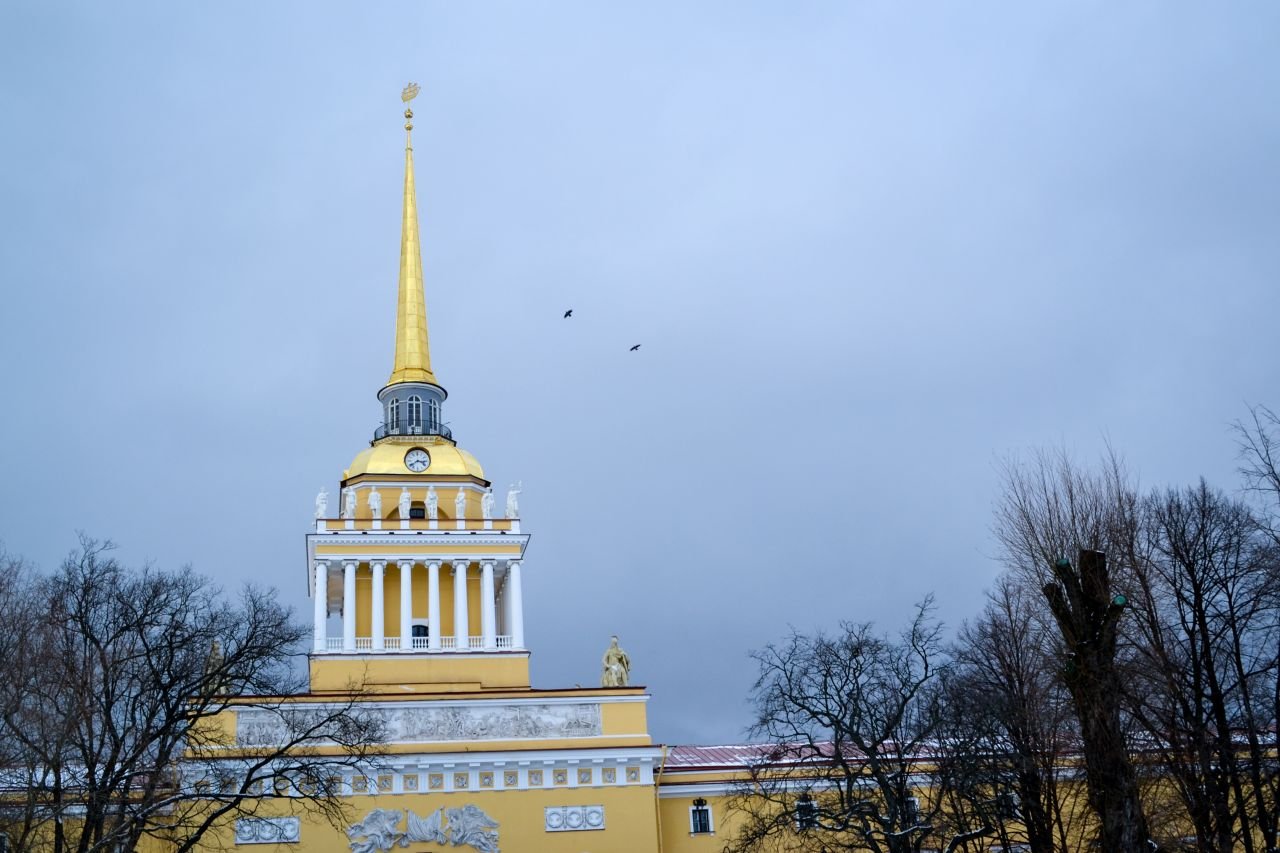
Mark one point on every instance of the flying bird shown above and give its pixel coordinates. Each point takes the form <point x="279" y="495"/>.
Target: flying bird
<point x="634" y="348"/>
<point x="568" y="314"/>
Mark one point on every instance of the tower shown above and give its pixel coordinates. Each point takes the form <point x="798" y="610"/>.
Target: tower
<point x="424" y="581"/>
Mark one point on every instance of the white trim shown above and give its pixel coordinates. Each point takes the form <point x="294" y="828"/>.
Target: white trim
<point x="697" y="789"/>
<point x="472" y="703"/>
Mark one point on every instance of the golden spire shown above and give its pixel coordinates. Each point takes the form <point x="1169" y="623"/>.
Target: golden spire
<point x="413" y="359"/>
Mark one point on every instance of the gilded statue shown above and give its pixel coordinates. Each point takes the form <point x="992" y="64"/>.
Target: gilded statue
<point x="616" y="670"/>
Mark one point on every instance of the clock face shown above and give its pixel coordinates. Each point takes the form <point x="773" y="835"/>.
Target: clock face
<point x="417" y="460"/>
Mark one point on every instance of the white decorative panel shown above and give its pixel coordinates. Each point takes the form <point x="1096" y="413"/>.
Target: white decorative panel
<point x="380" y="830"/>
<point x="573" y="818"/>
<point x="267" y="830"/>
<point x="426" y="724"/>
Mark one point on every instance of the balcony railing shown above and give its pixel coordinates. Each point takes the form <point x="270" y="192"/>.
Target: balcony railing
<point x="404" y="429"/>
<point x="503" y="642"/>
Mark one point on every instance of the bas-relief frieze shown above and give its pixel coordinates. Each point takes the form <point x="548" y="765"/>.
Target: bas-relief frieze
<point x="467" y="826"/>
<point x="443" y="724"/>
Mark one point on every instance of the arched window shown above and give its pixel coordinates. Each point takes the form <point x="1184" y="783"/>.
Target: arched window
<point x="433" y="414"/>
<point x="415" y="411"/>
<point x="393" y="414"/>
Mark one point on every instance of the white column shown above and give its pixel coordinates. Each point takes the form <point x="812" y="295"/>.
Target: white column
<point x="379" y="619"/>
<point x="349" y="606"/>
<point x="433" y="607"/>
<point x="504" y="624"/>
<point x="406" y="605"/>
<point x="488" y="616"/>
<point x="322" y="605"/>
<point x="517" y="604"/>
<point x="461" y="630"/>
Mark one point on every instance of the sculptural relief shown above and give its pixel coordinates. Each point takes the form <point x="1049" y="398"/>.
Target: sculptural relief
<point x="460" y="504"/>
<point x="467" y="826"/>
<point x="375" y="503"/>
<point x="432" y="502"/>
<point x="267" y="830"/>
<point x="426" y="724"/>
<point x="405" y="501"/>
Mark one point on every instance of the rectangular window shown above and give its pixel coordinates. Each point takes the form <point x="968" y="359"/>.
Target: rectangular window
<point x="700" y="818"/>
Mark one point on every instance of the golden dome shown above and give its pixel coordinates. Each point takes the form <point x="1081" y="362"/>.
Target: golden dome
<point x="387" y="457"/>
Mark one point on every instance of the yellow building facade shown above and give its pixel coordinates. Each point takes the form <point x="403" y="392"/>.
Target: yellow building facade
<point x="417" y="583"/>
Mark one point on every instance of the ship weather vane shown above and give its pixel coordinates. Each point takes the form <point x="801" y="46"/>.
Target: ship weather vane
<point x="410" y="92"/>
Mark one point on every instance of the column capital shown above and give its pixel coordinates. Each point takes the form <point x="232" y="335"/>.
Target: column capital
<point x="461" y="563"/>
<point x="376" y="563"/>
<point x="405" y="564"/>
<point x="350" y="563"/>
<point x="431" y="563"/>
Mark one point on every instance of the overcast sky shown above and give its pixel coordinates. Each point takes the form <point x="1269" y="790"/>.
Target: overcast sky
<point x="869" y="251"/>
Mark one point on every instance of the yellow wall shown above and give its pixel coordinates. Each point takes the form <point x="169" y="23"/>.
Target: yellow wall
<point x="676" y="837"/>
<point x="440" y="672"/>
<point x="630" y="819"/>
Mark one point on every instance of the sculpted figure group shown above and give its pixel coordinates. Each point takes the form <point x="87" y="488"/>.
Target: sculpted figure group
<point x="405" y="501"/>
<point x="467" y="826"/>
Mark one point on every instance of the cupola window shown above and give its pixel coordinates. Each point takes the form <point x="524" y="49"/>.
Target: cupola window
<point x="433" y="414"/>
<point x="393" y="414"/>
<point x="415" y="412"/>
<point x="700" y="817"/>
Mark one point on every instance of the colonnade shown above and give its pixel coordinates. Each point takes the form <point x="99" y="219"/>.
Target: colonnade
<point x="487" y="640"/>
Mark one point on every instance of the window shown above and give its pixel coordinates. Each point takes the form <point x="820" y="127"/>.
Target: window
<point x="415" y="411"/>
<point x="421" y="631"/>
<point x="700" y="818"/>
<point x="393" y="414"/>
<point x="433" y="414"/>
<point x="417" y="510"/>
<point x="806" y="812"/>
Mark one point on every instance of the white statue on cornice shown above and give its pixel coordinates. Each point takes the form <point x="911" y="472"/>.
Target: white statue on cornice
<point x="405" y="500"/>
<point x="375" y="502"/>
<point x="348" y="502"/>
<point x="322" y="503"/>
<point x="616" y="666"/>
<point x="513" y="500"/>
<point x="432" y="502"/>
<point x="486" y="503"/>
<point x="460" y="504"/>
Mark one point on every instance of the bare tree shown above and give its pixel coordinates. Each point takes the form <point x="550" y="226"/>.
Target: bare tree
<point x="1258" y="440"/>
<point x="852" y="721"/>
<point x="1048" y="510"/>
<point x="115" y="702"/>
<point x="1206" y="634"/>
<point x="1006" y="681"/>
